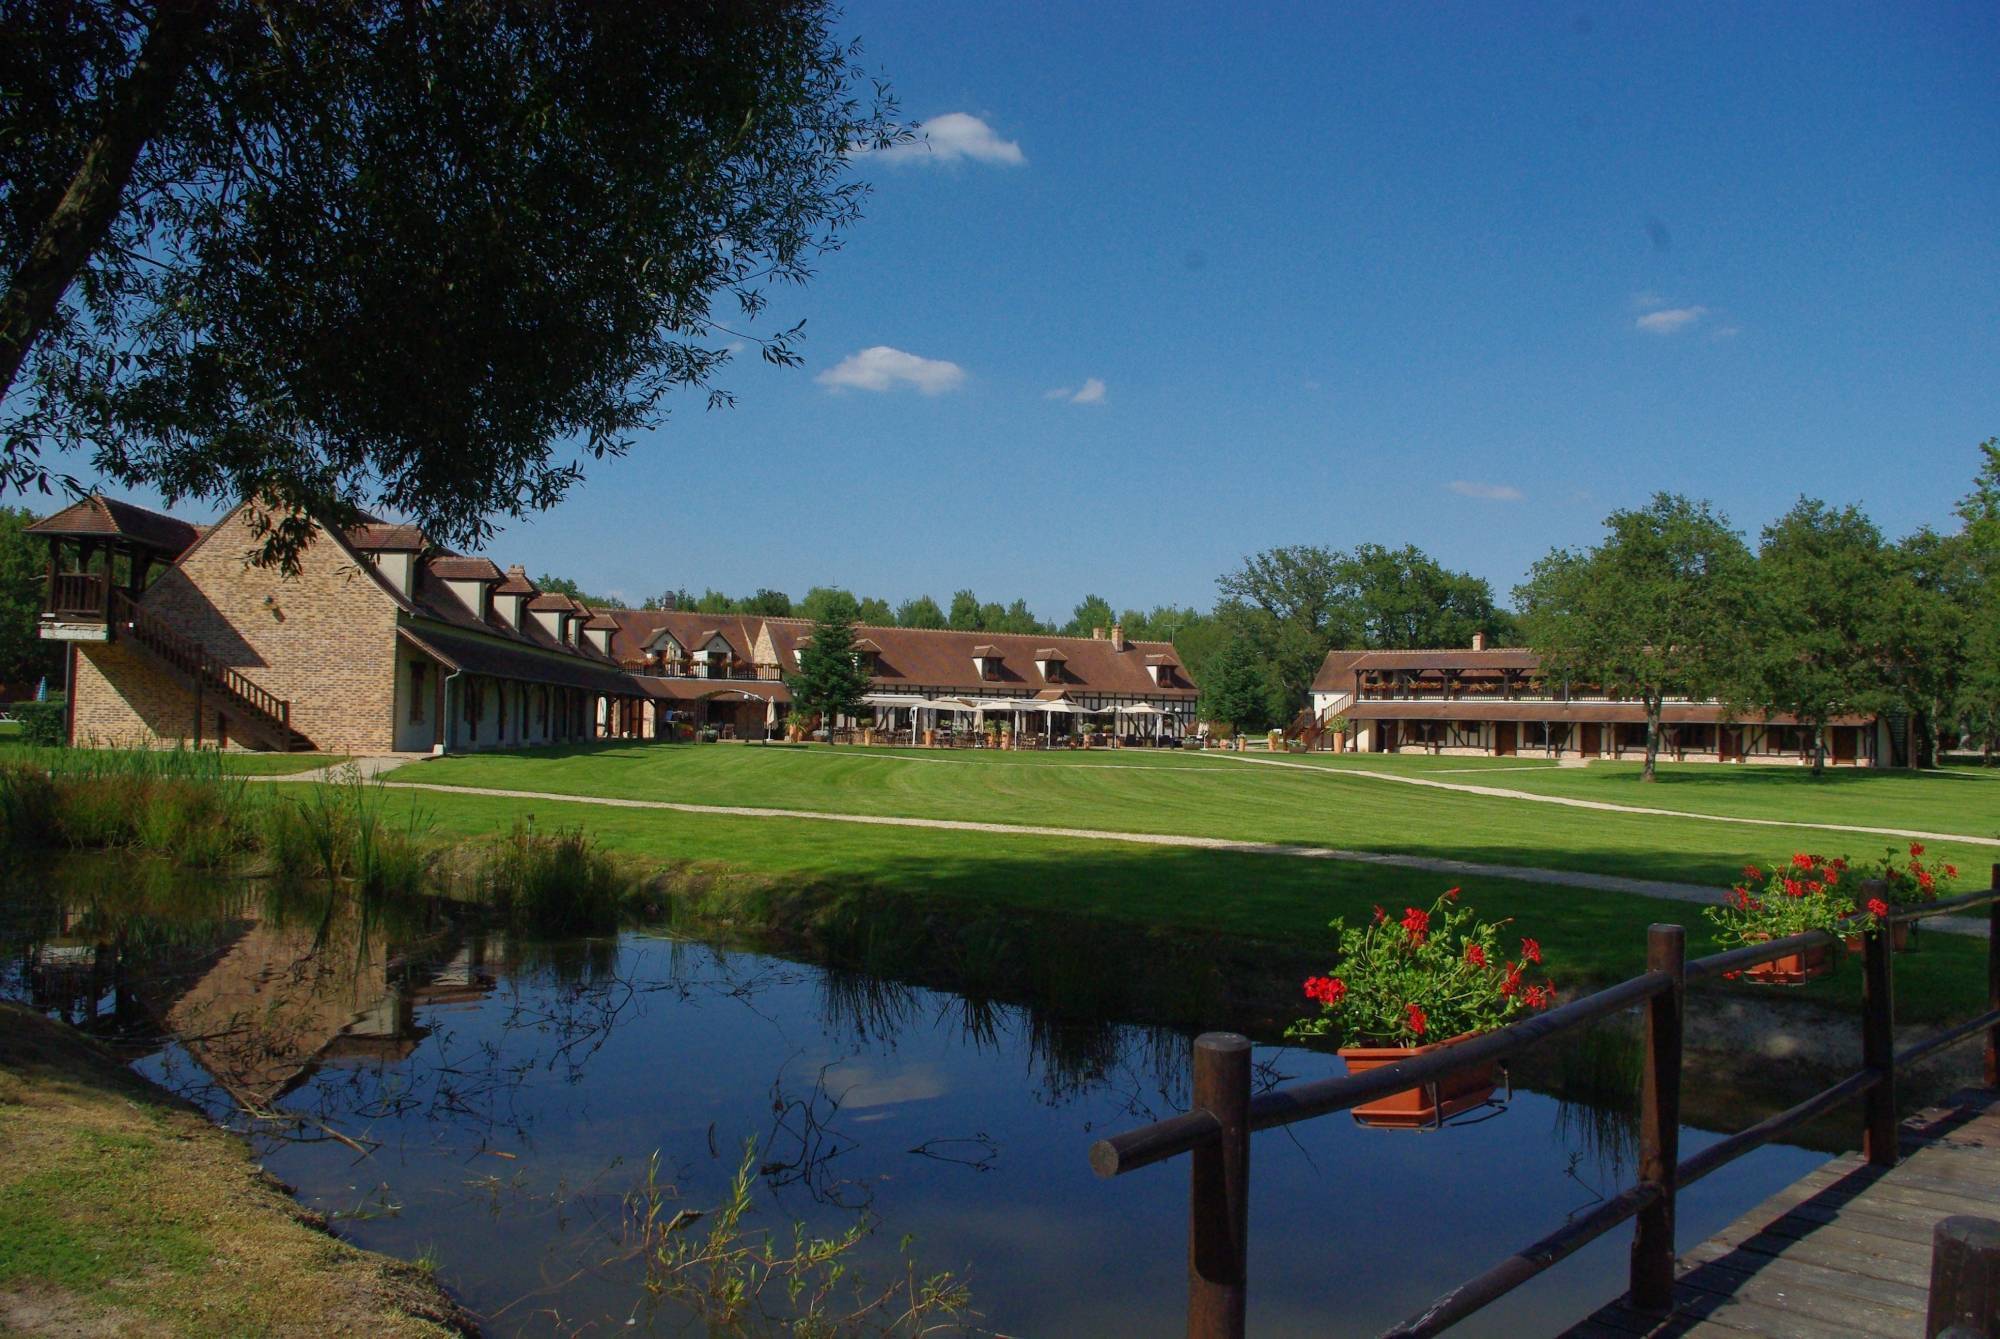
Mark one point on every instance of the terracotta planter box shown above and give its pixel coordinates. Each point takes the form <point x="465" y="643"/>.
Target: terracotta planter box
<point x="1430" y="1104"/>
<point x="1899" y="938"/>
<point x="1794" y="969"/>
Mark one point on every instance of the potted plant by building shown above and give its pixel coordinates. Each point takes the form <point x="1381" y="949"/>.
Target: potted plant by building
<point x="1906" y="881"/>
<point x="1404" y="987"/>
<point x="1809" y="893"/>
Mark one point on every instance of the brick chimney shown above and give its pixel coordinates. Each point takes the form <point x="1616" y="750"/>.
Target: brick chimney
<point x="1479" y="641"/>
<point x="1118" y="636"/>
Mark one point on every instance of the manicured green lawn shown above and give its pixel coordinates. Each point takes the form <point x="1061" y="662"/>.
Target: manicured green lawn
<point x="1143" y="791"/>
<point x="1589" y="937"/>
<point x="1956" y="800"/>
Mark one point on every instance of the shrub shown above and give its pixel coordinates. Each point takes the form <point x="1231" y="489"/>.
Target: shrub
<point x="1430" y="976"/>
<point x="27" y="807"/>
<point x="558" y="882"/>
<point x="41" y="722"/>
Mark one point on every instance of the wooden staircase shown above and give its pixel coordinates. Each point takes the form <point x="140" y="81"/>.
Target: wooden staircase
<point x="253" y="715"/>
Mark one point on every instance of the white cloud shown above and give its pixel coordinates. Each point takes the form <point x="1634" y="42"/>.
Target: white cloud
<point x="1486" y="492"/>
<point x="1725" y="332"/>
<point x="1669" y="320"/>
<point x="1090" y="392"/>
<point x="882" y="368"/>
<point x="953" y="137"/>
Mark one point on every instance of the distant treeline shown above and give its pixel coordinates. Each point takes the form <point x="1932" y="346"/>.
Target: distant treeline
<point x="1823" y="617"/>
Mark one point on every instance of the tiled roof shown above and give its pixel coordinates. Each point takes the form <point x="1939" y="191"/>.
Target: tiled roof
<point x="601" y="622"/>
<point x="483" y="655"/>
<point x="913" y="658"/>
<point x="455" y="568"/>
<point x="1336" y="672"/>
<point x="98" y="515"/>
<point x="550" y="600"/>
<point x="639" y="629"/>
<point x="516" y="583"/>
<point x="373" y="536"/>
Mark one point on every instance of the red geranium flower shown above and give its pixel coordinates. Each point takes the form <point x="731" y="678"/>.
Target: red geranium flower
<point x="1326" y="989"/>
<point x="1530" y="951"/>
<point x="1877" y="907"/>
<point x="1802" y="861"/>
<point x="1540" y="997"/>
<point x="1417" y="922"/>
<point x="1951" y="871"/>
<point x="1451" y="893"/>
<point x="1418" y="1022"/>
<point x="1475" y="955"/>
<point x="1916" y="848"/>
<point x="1512" y="984"/>
<point x="1752" y="873"/>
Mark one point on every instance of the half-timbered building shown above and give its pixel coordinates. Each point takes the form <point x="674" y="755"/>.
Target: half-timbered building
<point x="1496" y="702"/>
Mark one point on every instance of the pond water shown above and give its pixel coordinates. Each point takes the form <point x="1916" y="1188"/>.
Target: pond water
<point x="491" y="1102"/>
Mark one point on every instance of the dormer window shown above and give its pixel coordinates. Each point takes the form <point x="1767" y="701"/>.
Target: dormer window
<point x="1051" y="664"/>
<point x="986" y="663"/>
<point x="1161" y="670"/>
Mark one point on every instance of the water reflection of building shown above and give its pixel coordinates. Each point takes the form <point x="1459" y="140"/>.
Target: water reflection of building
<point x="258" y="1000"/>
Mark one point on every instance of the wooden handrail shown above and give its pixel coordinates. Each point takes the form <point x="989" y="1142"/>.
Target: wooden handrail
<point x="191" y="657"/>
<point x="1219" y="1199"/>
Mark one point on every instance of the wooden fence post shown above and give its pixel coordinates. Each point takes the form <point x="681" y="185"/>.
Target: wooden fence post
<point x="1652" y="1277"/>
<point x="1965" y="1279"/>
<point x="1878" y="1038"/>
<point x="1993" y="984"/>
<point x="1219" y="1194"/>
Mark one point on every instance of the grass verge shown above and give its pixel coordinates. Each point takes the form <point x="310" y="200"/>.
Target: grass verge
<point x="124" y="1211"/>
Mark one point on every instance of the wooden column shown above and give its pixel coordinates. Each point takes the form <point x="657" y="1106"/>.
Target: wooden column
<point x="1652" y="1272"/>
<point x="1878" y="1039"/>
<point x="1993" y="985"/>
<point x="1219" y="1192"/>
<point x="1965" y="1279"/>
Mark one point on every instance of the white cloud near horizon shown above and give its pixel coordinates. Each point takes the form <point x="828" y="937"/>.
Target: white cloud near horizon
<point x="882" y="368"/>
<point x="1486" y="492"/>
<point x="1090" y="392"/>
<point x="1669" y="320"/>
<point x="954" y="137"/>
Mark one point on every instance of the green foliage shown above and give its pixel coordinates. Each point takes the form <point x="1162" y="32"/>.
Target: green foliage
<point x="1298" y="602"/>
<point x="742" y="1281"/>
<point x="922" y="612"/>
<point x="427" y="257"/>
<point x="964" y="615"/>
<point x="1432" y="975"/>
<point x="1820" y="613"/>
<point x="176" y="802"/>
<point x="24" y="657"/>
<point x="830" y="680"/>
<point x="830" y="602"/>
<point x="1656" y="610"/>
<point x="1233" y="691"/>
<point x="557" y="882"/>
<point x="555" y="585"/>
<point x="41" y="722"/>
<point x="1094" y="611"/>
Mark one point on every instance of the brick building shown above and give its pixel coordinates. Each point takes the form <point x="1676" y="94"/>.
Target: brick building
<point x="382" y="642"/>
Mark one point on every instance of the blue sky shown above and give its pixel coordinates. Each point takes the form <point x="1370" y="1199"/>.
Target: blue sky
<point x="1461" y="276"/>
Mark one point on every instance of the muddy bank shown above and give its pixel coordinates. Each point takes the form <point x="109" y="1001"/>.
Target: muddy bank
<point x="125" y="1211"/>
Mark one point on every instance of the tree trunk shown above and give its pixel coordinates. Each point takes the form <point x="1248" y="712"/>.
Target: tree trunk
<point x="1653" y="706"/>
<point x="76" y="226"/>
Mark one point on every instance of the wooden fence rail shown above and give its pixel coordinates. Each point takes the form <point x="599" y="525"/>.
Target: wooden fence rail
<point x="1216" y="1130"/>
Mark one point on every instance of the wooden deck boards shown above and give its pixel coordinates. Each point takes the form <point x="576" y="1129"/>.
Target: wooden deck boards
<point x="1844" y="1251"/>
